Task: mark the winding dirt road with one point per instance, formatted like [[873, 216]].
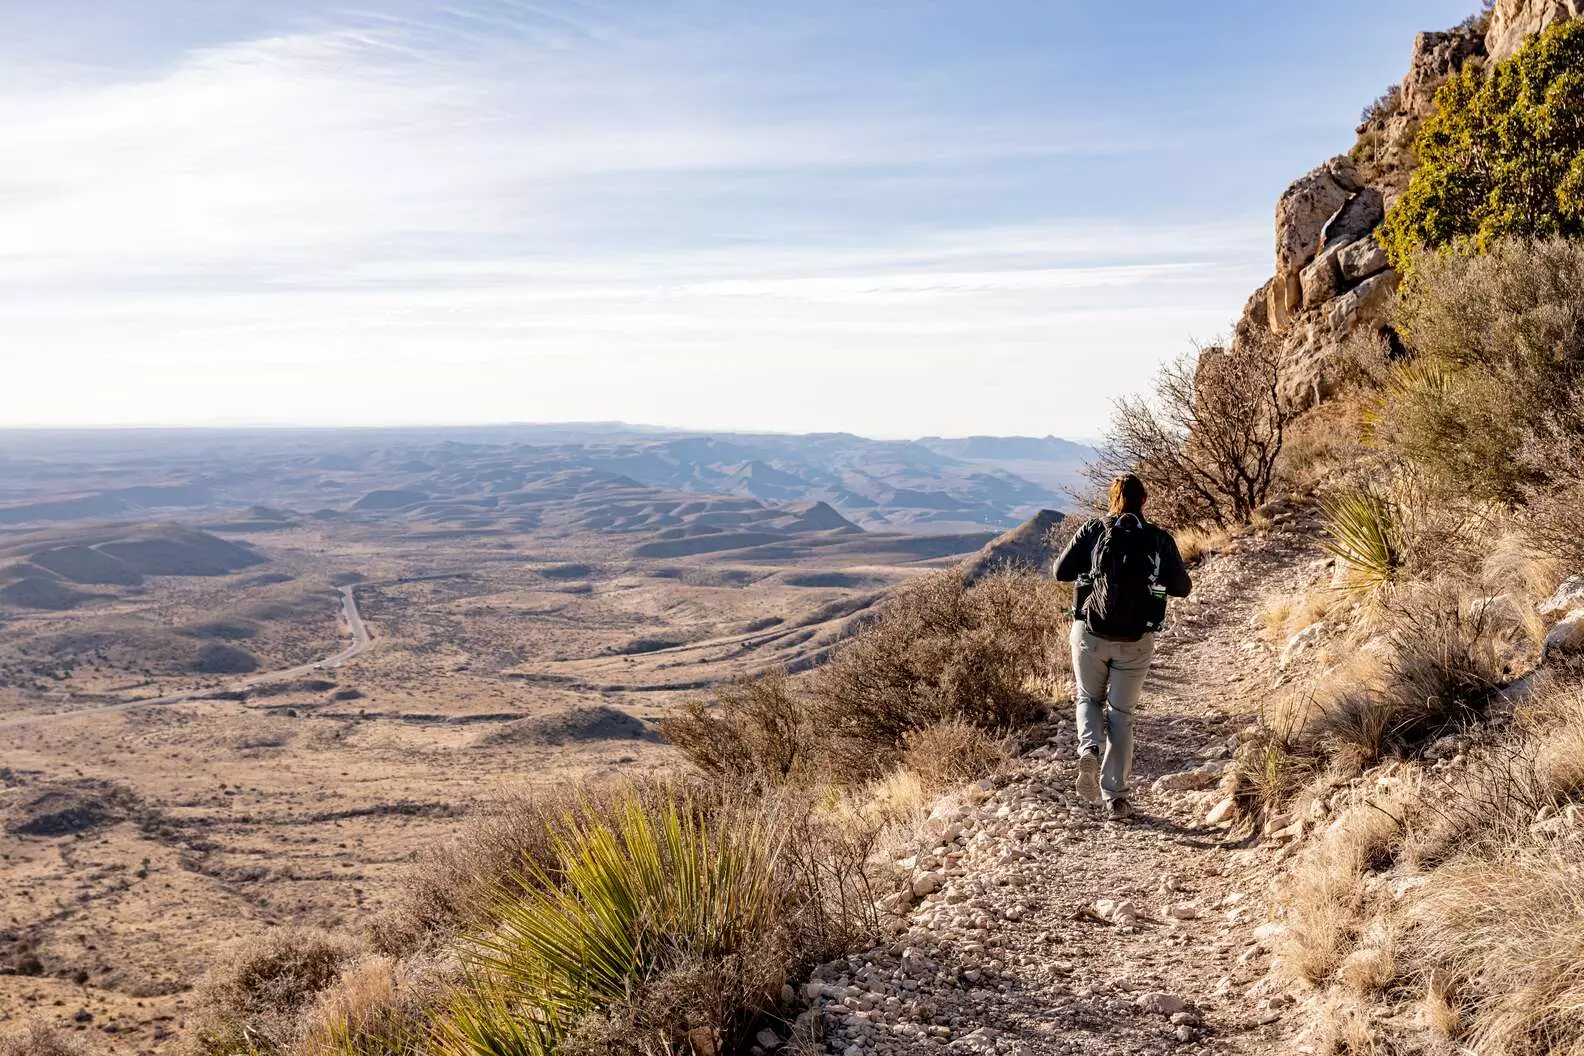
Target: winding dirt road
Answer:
[[361, 640]]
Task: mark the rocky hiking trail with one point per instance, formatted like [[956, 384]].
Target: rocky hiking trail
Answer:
[[1033, 925]]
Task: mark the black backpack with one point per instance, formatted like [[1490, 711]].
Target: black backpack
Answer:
[[1122, 596]]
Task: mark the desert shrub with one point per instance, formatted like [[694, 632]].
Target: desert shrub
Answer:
[[1488, 402], [456, 886], [1270, 768], [1207, 443], [758, 733], [1502, 155], [249, 1004], [664, 925], [40, 1039], [952, 752], [378, 1007], [1554, 518], [986, 655]]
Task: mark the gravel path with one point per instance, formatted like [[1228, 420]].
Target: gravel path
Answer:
[[1035, 926]]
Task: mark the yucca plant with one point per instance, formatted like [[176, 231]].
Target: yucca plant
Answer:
[[1366, 536], [633, 904]]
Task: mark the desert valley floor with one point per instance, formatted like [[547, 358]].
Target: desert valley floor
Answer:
[[196, 743]]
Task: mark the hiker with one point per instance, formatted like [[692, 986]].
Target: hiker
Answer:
[[1124, 568]]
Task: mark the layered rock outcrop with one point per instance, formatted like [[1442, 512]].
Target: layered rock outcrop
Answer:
[[1333, 282]]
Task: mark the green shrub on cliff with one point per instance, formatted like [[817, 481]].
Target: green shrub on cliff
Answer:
[[1502, 155]]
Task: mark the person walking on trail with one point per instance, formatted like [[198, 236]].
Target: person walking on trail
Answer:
[[1124, 568]]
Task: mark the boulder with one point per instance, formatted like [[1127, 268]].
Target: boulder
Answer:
[[1369, 305], [1568, 597], [1358, 217], [1161, 1004], [1513, 20], [1301, 217], [1322, 280], [1566, 638], [1362, 259], [1256, 312], [1436, 56]]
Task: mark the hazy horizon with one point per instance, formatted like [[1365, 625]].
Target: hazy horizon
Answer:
[[893, 221], [614, 427]]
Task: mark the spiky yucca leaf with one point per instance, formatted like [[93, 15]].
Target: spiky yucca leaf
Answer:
[[1366, 536], [629, 899]]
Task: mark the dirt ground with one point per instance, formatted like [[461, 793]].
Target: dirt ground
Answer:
[[138, 844]]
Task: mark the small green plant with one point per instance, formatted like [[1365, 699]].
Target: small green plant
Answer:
[[1366, 536]]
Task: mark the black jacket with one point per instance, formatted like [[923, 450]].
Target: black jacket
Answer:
[[1076, 559]]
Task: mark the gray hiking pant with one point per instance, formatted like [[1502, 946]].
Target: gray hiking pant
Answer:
[[1110, 680]]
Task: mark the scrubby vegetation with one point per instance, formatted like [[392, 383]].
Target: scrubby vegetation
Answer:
[[940, 656], [1439, 746]]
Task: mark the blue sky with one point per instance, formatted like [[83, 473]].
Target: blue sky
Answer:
[[884, 217]]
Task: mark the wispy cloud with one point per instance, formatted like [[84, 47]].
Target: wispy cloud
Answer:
[[560, 211]]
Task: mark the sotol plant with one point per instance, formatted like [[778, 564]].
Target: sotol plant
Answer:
[[1366, 536], [635, 906]]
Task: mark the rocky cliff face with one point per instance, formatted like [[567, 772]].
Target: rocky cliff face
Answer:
[[1333, 282], [1513, 20]]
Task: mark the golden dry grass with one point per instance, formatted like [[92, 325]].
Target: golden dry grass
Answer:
[[378, 1007], [1511, 934], [1196, 544], [1324, 898], [38, 1038]]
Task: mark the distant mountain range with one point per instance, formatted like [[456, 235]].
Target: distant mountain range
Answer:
[[932, 485]]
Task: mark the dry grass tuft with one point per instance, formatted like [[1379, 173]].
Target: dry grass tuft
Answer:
[[378, 1007], [250, 1002], [1197, 543], [1325, 899], [1511, 934], [953, 752]]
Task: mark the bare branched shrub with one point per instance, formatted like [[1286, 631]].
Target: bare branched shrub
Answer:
[[758, 733], [1208, 442], [953, 752], [40, 1039], [250, 1002], [986, 654]]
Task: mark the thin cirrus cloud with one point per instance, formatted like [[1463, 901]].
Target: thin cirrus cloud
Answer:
[[518, 213]]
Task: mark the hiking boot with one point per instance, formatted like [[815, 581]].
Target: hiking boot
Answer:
[[1089, 776], [1119, 810]]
